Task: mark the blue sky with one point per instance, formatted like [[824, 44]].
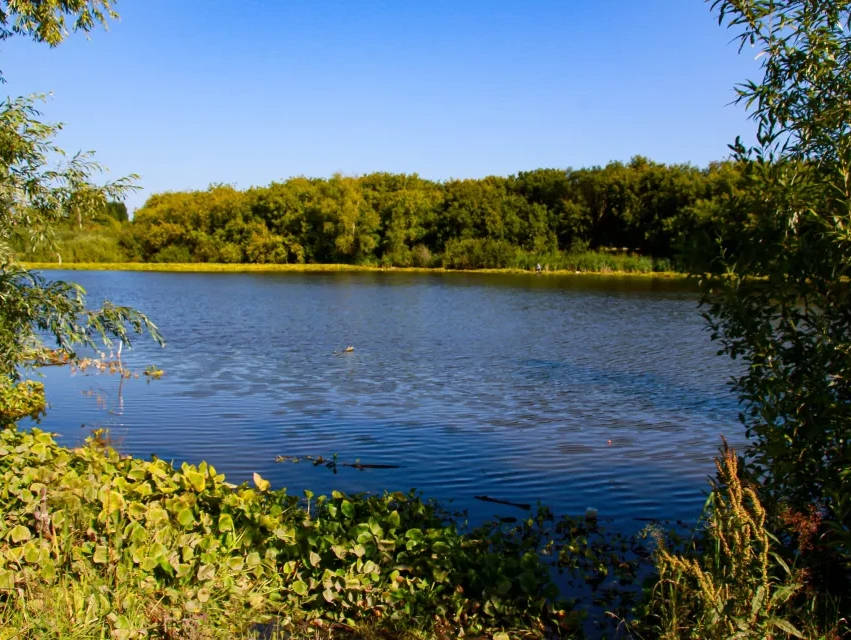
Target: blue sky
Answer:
[[189, 92]]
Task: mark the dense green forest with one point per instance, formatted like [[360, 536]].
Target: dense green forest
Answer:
[[638, 216]]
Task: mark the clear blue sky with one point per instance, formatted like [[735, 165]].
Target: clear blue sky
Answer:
[[189, 92]]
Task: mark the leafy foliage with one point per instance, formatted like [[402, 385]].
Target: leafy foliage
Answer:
[[777, 296], [192, 546], [32, 307], [547, 216], [782, 300], [40, 190], [48, 20], [21, 400]]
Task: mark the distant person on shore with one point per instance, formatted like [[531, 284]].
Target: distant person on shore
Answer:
[[538, 268]]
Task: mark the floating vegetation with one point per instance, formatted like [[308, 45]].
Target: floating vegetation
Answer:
[[153, 372], [102, 365], [333, 464]]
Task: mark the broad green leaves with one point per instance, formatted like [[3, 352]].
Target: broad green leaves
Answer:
[[260, 483], [19, 534], [159, 530]]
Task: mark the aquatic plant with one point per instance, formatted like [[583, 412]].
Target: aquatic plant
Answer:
[[153, 372]]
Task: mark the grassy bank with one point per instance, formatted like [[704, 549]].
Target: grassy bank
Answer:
[[206, 267]]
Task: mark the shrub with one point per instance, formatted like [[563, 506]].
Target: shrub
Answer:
[[230, 253], [173, 253], [479, 253], [421, 256]]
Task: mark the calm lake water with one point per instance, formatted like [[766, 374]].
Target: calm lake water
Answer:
[[506, 386]]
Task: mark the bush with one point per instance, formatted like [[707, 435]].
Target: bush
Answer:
[[98, 244], [421, 257], [478, 253], [399, 258], [173, 253], [230, 253]]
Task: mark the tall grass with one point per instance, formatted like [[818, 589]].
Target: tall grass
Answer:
[[733, 583]]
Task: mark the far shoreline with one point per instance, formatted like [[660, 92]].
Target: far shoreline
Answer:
[[215, 267]]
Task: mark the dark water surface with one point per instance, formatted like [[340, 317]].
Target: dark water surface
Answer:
[[508, 386]]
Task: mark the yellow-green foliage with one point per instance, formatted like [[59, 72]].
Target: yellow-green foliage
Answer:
[[109, 545], [21, 400], [737, 587], [298, 268]]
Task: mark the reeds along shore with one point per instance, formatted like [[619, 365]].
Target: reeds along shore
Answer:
[[207, 267]]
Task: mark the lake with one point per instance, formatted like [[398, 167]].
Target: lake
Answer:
[[577, 391]]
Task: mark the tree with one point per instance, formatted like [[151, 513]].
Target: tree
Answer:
[[116, 211], [780, 301], [36, 194]]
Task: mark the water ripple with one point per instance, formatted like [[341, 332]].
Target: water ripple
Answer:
[[574, 392]]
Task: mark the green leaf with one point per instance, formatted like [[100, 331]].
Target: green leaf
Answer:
[[112, 501], [101, 555], [19, 534], [393, 519], [195, 479], [260, 483], [7, 579], [414, 534], [136, 510], [206, 572], [48, 570], [225, 523], [315, 559], [528, 582], [31, 554], [156, 515], [299, 587], [786, 627], [348, 509], [186, 518]]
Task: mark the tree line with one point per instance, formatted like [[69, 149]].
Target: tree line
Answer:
[[644, 208]]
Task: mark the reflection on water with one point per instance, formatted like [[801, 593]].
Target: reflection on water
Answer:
[[573, 391]]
